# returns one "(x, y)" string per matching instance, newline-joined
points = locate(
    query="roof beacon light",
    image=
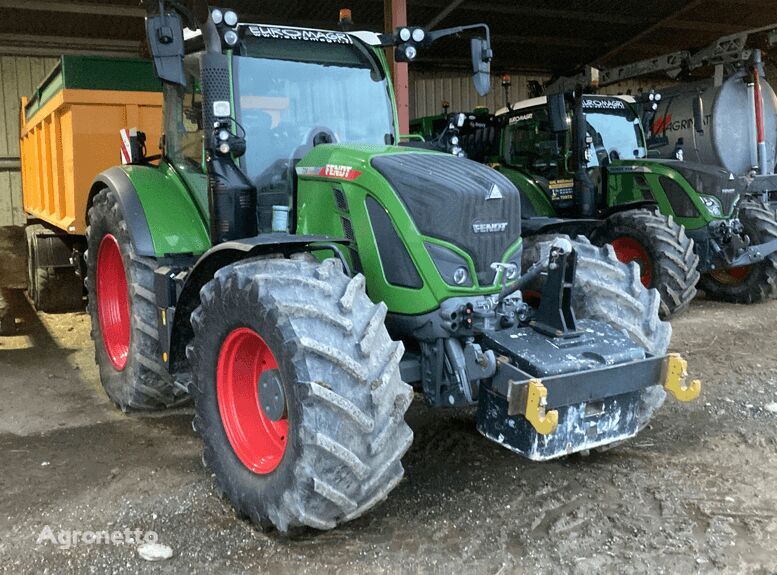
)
(346, 18)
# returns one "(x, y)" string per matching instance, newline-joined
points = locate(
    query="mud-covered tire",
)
(344, 397)
(760, 282)
(51, 290)
(608, 290)
(673, 263)
(144, 383)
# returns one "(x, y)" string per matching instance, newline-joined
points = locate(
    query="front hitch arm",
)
(753, 255)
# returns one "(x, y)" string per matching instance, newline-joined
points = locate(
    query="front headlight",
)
(712, 204)
(453, 268)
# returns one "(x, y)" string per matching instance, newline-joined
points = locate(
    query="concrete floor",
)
(693, 493)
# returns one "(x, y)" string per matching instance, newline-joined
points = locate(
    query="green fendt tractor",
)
(581, 163)
(293, 269)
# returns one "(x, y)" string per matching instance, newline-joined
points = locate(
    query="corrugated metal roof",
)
(531, 35)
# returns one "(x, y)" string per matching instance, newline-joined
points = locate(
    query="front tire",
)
(331, 450)
(663, 251)
(748, 284)
(122, 305)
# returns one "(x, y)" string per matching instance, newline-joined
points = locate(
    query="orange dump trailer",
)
(69, 130)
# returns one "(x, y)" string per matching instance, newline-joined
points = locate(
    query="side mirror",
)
(481, 65)
(557, 113)
(165, 42)
(698, 114)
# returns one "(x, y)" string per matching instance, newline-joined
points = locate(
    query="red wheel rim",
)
(733, 276)
(257, 441)
(113, 308)
(630, 250)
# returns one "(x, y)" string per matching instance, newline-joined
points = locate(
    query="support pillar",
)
(395, 15)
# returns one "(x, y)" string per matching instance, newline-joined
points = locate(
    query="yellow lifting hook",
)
(676, 374)
(544, 422)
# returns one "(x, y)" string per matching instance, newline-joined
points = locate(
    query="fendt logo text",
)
(490, 228)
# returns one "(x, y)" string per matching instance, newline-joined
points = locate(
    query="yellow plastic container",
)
(70, 132)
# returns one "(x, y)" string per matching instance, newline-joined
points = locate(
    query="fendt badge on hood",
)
(494, 193)
(489, 228)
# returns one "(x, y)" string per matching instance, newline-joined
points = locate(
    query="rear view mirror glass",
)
(481, 65)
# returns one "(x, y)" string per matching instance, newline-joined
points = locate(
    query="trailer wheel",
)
(665, 255)
(51, 290)
(122, 305)
(748, 284)
(298, 396)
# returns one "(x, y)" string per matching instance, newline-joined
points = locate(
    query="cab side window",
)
(183, 120)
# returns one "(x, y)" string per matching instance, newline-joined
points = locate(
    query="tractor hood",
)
(427, 196)
(708, 180)
(459, 201)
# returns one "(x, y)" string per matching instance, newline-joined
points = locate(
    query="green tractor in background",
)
(581, 163)
(296, 271)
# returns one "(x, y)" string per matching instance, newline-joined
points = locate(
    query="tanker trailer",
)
(730, 123)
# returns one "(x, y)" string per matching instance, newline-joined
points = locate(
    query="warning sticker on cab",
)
(561, 190)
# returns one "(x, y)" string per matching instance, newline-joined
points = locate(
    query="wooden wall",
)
(19, 76)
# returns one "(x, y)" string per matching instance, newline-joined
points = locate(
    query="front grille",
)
(447, 198)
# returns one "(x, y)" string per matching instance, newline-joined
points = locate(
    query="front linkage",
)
(546, 383)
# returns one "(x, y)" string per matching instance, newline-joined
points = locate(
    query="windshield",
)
(289, 92)
(615, 135)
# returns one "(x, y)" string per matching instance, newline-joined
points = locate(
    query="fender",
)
(119, 182)
(177, 333)
(162, 217)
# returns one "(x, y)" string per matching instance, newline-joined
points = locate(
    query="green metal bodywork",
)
(627, 181)
(175, 217)
(319, 214)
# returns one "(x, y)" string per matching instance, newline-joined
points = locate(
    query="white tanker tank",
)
(729, 136)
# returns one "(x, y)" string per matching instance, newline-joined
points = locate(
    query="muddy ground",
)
(693, 493)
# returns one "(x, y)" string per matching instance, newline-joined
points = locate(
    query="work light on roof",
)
(230, 18)
(230, 37)
(404, 34)
(217, 16)
(419, 35)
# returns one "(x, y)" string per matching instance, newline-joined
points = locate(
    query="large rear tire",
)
(122, 305)
(329, 449)
(748, 284)
(663, 251)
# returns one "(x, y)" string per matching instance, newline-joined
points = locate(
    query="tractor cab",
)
(529, 142)
(292, 89)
